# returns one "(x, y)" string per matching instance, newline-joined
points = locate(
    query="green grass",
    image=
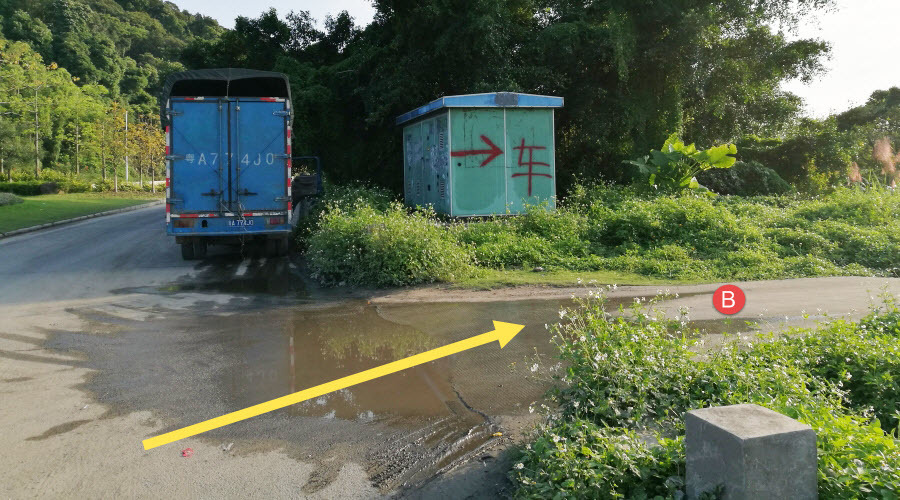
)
(37, 210)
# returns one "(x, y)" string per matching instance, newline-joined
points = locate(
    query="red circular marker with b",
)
(729, 299)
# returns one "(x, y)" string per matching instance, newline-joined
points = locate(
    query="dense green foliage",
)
(127, 46)
(683, 236)
(744, 179)
(641, 372)
(52, 126)
(631, 73)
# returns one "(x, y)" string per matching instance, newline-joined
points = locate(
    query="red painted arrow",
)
(492, 153)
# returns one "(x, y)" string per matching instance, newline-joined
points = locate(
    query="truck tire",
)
(282, 247)
(271, 247)
(200, 246)
(187, 250)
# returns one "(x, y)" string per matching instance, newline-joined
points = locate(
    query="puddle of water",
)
(444, 408)
(233, 274)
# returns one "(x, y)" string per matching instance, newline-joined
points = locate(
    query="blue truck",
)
(228, 159)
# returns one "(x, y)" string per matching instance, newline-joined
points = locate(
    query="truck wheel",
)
(200, 247)
(271, 247)
(282, 246)
(187, 250)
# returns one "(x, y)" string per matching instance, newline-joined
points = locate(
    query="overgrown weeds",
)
(618, 428)
(684, 237)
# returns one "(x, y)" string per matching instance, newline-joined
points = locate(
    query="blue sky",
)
(863, 35)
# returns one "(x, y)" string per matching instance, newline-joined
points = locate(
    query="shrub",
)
(9, 199)
(49, 188)
(395, 247)
(23, 188)
(690, 221)
(344, 197)
(579, 458)
(669, 261)
(676, 165)
(75, 186)
(499, 244)
(102, 186)
(744, 179)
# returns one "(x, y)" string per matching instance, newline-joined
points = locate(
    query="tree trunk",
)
(77, 146)
(103, 150)
(37, 134)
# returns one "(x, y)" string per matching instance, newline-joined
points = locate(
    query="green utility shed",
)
(480, 154)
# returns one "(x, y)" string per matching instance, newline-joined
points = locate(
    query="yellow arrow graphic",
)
(502, 332)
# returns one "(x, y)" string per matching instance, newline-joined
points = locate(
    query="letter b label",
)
(729, 299)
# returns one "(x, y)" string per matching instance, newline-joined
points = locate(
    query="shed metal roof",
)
(489, 100)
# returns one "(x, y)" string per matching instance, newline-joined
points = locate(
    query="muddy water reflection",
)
(445, 410)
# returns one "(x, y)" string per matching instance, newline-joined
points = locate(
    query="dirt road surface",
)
(107, 338)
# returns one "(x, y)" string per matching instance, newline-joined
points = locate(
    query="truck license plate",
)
(240, 222)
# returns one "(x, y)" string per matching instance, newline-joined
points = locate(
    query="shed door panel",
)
(413, 157)
(478, 184)
(529, 144)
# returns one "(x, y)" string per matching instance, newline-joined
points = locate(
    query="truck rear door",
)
(260, 155)
(198, 147)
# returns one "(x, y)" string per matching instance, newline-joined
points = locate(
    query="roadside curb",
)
(77, 219)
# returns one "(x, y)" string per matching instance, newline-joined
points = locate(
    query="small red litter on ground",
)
(729, 299)
(187, 452)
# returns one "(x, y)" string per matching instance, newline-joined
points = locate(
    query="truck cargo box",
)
(228, 156)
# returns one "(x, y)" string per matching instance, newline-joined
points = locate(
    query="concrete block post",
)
(750, 451)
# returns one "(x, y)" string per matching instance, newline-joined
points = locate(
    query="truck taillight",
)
(276, 221)
(183, 223)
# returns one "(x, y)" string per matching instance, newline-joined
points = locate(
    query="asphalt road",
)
(89, 259)
(107, 337)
